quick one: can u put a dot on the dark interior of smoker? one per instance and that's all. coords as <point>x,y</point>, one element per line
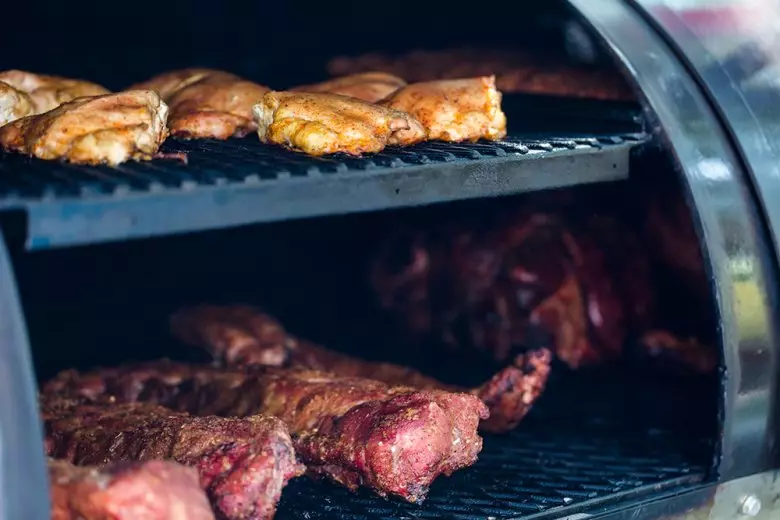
<point>597,438</point>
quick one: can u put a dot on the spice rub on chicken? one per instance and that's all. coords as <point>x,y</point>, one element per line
<point>454,110</point>
<point>321,124</point>
<point>26,93</point>
<point>108,129</point>
<point>206,103</point>
<point>368,86</point>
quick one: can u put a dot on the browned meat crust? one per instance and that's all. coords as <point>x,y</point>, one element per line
<point>368,86</point>
<point>153,490</point>
<point>243,463</point>
<point>207,104</point>
<point>111,129</point>
<point>494,288</point>
<point>394,440</point>
<point>244,336</point>
<point>454,110</point>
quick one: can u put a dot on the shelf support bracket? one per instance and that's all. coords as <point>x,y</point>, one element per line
<point>23,476</point>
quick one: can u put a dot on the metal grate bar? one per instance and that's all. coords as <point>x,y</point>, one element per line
<point>242,181</point>
<point>561,460</point>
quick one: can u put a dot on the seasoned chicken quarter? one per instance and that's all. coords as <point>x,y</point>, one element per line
<point>207,104</point>
<point>320,124</point>
<point>33,93</point>
<point>454,110</point>
<point>110,129</point>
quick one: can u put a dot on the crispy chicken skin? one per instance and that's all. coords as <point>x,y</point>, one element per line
<point>244,336</point>
<point>38,93</point>
<point>320,124</point>
<point>357,432</point>
<point>169,83</point>
<point>153,490</point>
<point>207,104</point>
<point>110,129</point>
<point>454,110</point>
<point>368,86</point>
<point>14,104</point>
<point>243,463</point>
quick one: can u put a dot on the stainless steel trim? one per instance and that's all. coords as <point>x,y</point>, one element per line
<point>735,244</point>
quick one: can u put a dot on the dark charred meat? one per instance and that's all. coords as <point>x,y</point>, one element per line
<point>244,336</point>
<point>153,490</point>
<point>520,280</point>
<point>663,347</point>
<point>515,71</point>
<point>243,463</point>
<point>394,440</point>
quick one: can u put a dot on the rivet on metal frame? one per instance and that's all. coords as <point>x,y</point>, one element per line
<point>750,505</point>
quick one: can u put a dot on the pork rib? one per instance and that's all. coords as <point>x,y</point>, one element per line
<point>243,463</point>
<point>245,336</point>
<point>153,490</point>
<point>394,440</point>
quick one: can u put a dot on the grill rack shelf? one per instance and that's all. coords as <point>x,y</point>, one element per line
<point>592,442</point>
<point>242,181</point>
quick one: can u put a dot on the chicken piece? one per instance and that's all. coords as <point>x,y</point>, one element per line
<point>169,83</point>
<point>320,124</point>
<point>38,93</point>
<point>244,336</point>
<point>243,463</point>
<point>357,432</point>
<point>368,86</point>
<point>153,490</point>
<point>454,110</point>
<point>14,104</point>
<point>515,71</point>
<point>111,129</point>
<point>207,104</point>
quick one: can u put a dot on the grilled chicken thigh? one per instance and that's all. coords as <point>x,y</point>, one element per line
<point>207,104</point>
<point>25,93</point>
<point>108,129</point>
<point>319,124</point>
<point>368,86</point>
<point>14,104</point>
<point>454,110</point>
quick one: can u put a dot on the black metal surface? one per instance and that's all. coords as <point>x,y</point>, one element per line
<point>736,246</point>
<point>236,182</point>
<point>592,441</point>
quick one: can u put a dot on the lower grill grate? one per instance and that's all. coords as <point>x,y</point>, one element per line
<point>575,450</point>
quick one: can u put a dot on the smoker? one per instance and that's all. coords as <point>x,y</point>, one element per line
<point>93,260</point>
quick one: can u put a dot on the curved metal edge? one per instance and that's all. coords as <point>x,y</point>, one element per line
<point>734,243</point>
<point>23,477</point>
<point>727,63</point>
<point>756,497</point>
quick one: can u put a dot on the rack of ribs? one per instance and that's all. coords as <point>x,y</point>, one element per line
<point>357,432</point>
<point>152,490</point>
<point>243,464</point>
<point>245,336</point>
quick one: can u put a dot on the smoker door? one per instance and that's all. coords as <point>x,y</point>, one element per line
<point>710,80</point>
<point>732,48</point>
